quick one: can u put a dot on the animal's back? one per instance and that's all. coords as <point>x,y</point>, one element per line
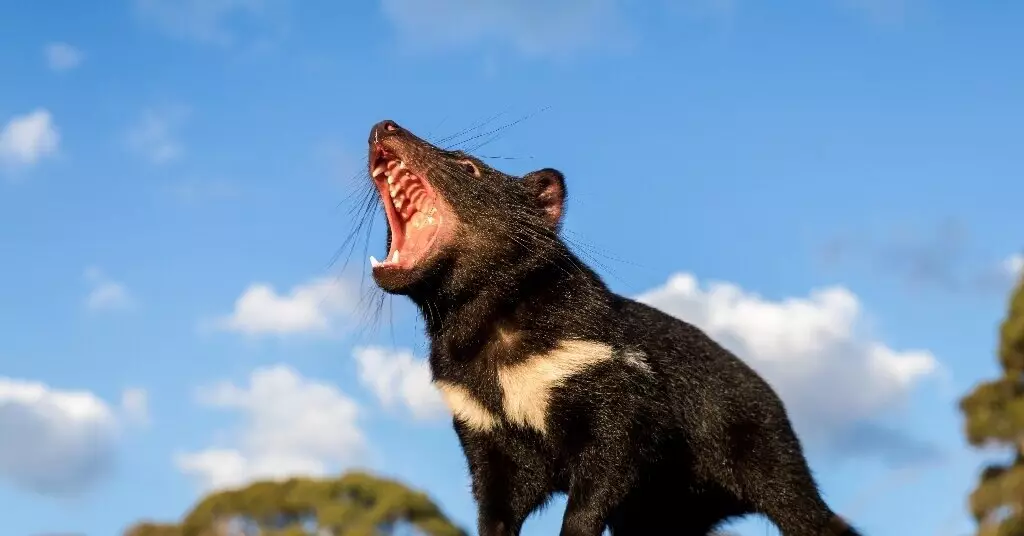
<point>738,452</point>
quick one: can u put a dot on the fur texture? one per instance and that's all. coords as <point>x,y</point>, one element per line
<point>559,385</point>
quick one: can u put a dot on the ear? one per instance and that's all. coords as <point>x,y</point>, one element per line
<point>547,187</point>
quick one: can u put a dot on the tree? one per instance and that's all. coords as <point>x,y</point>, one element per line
<point>357,504</point>
<point>147,528</point>
<point>994,414</point>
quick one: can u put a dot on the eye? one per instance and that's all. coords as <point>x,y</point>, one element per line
<point>470,167</point>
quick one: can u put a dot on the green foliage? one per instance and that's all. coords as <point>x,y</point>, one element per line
<point>147,528</point>
<point>994,414</point>
<point>357,504</point>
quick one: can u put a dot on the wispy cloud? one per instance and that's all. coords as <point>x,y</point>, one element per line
<point>532,27</point>
<point>62,56</point>
<point>155,135</point>
<point>135,405</point>
<point>563,28</point>
<point>943,257</point>
<point>1014,265</point>
<point>105,294</point>
<point>880,11</point>
<point>210,21</point>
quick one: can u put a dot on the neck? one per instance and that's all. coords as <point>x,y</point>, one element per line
<point>464,319</point>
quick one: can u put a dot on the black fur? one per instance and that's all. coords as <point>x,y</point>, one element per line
<point>675,443</point>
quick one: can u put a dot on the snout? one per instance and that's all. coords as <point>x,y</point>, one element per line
<point>383,130</point>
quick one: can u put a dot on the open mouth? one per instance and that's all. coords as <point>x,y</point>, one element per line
<point>412,207</point>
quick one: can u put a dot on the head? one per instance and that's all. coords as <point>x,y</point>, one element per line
<point>454,221</point>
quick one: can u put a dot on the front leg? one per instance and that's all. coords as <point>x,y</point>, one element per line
<point>508,484</point>
<point>601,479</point>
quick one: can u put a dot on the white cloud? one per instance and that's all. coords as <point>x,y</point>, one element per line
<point>1014,265</point>
<point>835,379</point>
<point>54,441</point>
<point>531,26</point>
<point>291,426</point>
<point>313,307</point>
<point>26,139</point>
<point>396,377</point>
<point>105,294</point>
<point>62,56</point>
<point>155,135</point>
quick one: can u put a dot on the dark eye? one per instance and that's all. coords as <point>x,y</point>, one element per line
<point>470,167</point>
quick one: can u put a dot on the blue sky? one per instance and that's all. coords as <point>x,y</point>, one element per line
<point>827,187</point>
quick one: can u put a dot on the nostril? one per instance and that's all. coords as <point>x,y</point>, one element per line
<point>384,129</point>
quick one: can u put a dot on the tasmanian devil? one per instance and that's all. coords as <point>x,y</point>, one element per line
<point>557,384</point>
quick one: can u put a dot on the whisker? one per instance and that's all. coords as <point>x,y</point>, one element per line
<point>504,157</point>
<point>499,129</point>
<point>471,128</point>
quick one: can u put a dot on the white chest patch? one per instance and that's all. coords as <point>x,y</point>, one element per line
<point>527,386</point>
<point>465,407</point>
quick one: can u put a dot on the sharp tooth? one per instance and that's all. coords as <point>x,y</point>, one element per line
<point>394,258</point>
<point>374,262</point>
<point>378,170</point>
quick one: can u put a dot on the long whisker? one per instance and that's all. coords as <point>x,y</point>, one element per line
<point>471,128</point>
<point>499,129</point>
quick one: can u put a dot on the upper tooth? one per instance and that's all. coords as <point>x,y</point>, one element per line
<point>390,180</point>
<point>393,191</point>
<point>398,203</point>
<point>378,170</point>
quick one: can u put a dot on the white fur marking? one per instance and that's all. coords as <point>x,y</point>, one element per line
<point>465,407</point>
<point>527,386</point>
<point>637,359</point>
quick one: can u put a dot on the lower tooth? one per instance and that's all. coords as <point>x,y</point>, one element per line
<point>394,258</point>
<point>374,262</point>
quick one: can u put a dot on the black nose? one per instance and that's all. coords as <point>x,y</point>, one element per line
<point>383,130</point>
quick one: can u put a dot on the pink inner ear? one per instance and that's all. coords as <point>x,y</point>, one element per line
<point>554,212</point>
<point>551,198</point>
